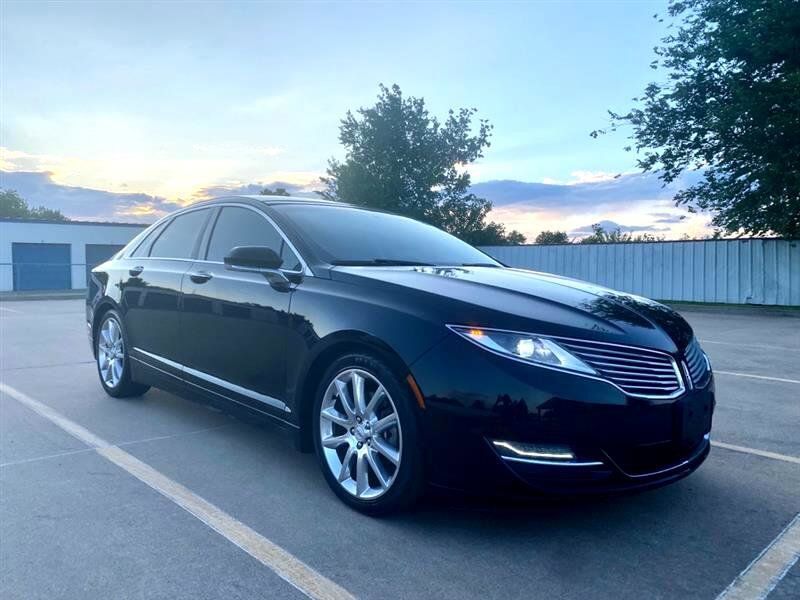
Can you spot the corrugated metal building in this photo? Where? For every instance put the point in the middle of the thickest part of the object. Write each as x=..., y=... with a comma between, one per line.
x=747, y=271
x=53, y=255
x=56, y=255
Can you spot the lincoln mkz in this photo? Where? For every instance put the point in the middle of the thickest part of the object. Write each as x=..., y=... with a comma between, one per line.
x=400, y=355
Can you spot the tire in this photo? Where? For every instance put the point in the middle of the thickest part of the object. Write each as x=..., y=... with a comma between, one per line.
x=348, y=440
x=112, y=359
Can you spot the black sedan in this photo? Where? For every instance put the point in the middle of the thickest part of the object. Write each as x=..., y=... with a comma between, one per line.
x=401, y=355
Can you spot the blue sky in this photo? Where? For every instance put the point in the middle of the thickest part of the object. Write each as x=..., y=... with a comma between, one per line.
x=166, y=101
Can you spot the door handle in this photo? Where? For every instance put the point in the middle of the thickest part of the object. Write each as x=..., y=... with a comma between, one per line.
x=136, y=271
x=200, y=276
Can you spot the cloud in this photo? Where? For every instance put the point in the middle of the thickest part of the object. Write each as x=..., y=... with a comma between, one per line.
x=218, y=191
x=150, y=173
x=82, y=203
x=637, y=201
x=613, y=226
x=160, y=173
x=614, y=191
x=630, y=202
x=578, y=177
x=17, y=160
x=592, y=177
x=671, y=219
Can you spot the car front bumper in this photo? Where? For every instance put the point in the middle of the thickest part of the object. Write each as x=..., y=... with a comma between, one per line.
x=474, y=399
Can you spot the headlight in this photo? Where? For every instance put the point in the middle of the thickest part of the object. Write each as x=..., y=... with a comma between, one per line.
x=525, y=347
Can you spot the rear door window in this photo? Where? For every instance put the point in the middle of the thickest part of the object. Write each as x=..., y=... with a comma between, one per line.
x=143, y=247
x=180, y=235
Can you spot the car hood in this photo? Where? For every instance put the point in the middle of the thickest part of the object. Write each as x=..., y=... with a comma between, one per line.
x=533, y=301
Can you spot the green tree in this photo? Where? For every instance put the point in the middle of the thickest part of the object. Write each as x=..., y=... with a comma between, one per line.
x=275, y=192
x=616, y=236
x=12, y=205
x=552, y=237
x=400, y=158
x=729, y=107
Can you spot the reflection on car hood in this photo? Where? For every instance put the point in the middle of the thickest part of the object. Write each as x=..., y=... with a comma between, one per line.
x=553, y=302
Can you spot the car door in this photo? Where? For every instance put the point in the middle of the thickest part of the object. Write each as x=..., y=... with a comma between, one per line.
x=234, y=323
x=152, y=279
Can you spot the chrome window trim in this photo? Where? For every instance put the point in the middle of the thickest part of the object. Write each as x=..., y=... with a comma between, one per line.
x=137, y=258
x=269, y=400
x=676, y=394
x=305, y=270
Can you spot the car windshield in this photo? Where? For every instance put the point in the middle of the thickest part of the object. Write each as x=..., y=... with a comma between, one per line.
x=343, y=235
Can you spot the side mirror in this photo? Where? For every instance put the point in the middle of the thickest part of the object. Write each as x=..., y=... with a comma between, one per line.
x=259, y=259
x=253, y=258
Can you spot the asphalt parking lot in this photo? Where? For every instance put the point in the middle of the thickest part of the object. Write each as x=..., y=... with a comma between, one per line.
x=76, y=522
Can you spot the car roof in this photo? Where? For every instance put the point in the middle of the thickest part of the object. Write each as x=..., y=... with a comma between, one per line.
x=270, y=200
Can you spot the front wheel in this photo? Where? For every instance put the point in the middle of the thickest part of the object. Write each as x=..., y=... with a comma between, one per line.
x=366, y=436
x=113, y=361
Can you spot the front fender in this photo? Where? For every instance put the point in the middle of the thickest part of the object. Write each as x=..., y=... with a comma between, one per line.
x=329, y=318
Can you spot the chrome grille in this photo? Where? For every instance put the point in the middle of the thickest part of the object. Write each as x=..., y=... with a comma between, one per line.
x=637, y=371
x=696, y=363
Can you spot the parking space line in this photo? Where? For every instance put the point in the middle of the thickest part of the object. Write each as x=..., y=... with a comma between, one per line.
x=281, y=562
x=23, y=461
x=11, y=310
x=52, y=366
x=120, y=444
x=735, y=374
x=765, y=572
x=158, y=438
x=756, y=452
x=739, y=345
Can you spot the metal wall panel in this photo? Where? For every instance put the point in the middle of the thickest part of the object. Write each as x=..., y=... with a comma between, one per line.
x=41, y=266
x=757, y=271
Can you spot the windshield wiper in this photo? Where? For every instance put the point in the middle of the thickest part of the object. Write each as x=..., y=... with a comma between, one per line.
x=381, y=262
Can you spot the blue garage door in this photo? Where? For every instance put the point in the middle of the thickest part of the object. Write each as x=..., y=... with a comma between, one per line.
x=99, y=253
x=41, y=266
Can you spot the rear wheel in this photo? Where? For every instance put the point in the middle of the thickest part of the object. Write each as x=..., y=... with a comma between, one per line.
x=366, y=436
x=113, y=363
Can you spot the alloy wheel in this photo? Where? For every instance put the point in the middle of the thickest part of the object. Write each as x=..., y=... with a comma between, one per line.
x=111, y=352
x=360, y=432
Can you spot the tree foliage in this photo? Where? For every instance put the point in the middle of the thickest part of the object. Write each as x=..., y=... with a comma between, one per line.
x=729, y=107
x=400, y=158
x=616, y=236
x=276, y=192
x=552, y=237
x=13, y=206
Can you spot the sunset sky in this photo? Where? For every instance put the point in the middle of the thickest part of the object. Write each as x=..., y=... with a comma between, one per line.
x=124, y=111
